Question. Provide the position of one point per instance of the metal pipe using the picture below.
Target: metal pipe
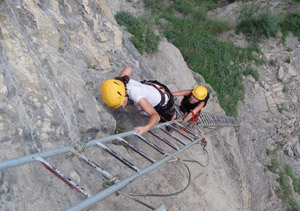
(170, 134)
(187, 129)
(163, 140)
(150, 144)
(103, 194)
(120, 158)
(181, 133)
(91, 163)
(63, 177)
(136, 150)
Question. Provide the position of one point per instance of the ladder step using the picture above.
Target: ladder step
(123, 141)
(150, 144)
(63, 177)
(120, 158)
(163, 139)
(91, 163)
(208, 119)
(170, 134)
(181, 133)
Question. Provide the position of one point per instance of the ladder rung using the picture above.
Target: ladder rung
(170, 134)
(186, 129)
(123, 141)
(63, 177)
(163, 139)
(91, 163)
(178, 131)
(150, 144)
(120, 158)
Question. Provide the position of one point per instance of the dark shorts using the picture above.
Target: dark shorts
(166, 114)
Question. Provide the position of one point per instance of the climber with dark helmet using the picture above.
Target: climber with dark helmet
(192, 103)
(151, 97)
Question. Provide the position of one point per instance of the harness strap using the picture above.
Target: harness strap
(193, 114)
(162, 92)
(158, 87)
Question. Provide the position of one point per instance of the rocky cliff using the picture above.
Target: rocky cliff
(54, 55)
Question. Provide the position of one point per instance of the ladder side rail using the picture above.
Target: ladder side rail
(120, 158)
(63, 177)
(119, 185)
(136, 150)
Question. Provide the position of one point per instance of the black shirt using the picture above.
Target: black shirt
(185, 106)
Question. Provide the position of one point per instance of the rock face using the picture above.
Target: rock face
(269, 113)
(55, 54)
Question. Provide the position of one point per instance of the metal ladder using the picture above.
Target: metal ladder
(208, 119)
(177, 144)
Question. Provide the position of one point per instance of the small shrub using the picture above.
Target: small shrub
(253, 72)
(281, 108)
(274, 166)
(272, 62)
(143, 38)
(257, 23)
(218, 27)
(291, 23)
(261, 84)
(296, 181)
(285, 90)
(269, 152)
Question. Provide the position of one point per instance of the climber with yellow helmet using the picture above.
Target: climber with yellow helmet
(151, 97)
(192, 103)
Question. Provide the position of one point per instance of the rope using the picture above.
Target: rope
(169, 194)
(189, 177)
(175, 159)
(195, 161)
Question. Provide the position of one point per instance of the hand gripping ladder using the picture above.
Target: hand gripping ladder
(179, 141)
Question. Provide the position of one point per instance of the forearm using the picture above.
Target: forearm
(182, 93)
(154, 119)
(187, 118)
(126, 71)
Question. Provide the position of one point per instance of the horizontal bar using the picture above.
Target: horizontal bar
(150, 144)
(120, 158)
(103, 194)
(170, 134)
(136, 150)
(63, 177)
(163, 140)
(91, 163)
(181, 133)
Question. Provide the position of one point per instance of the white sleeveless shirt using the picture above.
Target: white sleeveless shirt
(136, 91)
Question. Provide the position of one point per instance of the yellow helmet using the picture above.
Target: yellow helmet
(113, 93)
(200, 92)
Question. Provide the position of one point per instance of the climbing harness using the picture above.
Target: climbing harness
(165, 108)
